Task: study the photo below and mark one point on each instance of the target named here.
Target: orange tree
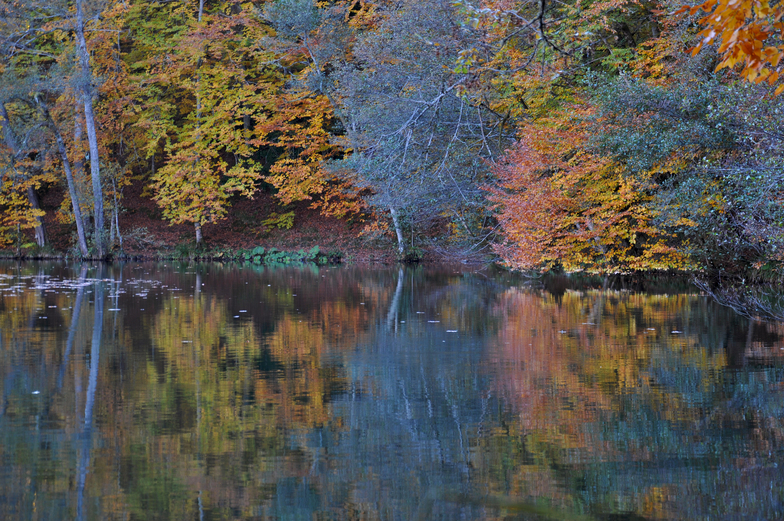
(562, 203)
(669, 153)
(711, 142)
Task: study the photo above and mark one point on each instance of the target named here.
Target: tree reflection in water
(347, 393)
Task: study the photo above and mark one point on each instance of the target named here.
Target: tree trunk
(40, 231)
(398, 230)
(116, 213)
(78, 167)
(198, 233)
(77, 210)
(92, 136)
(196, 224)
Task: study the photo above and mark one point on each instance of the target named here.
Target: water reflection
(223, 392)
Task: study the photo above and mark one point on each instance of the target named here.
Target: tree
(715, 153)
(565, 204)
(303, 124)
(421, 144)
(86, 88)
(22, 173)
(203, 91)
(69, 175)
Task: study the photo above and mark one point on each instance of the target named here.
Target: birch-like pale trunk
(35, 204)
(398, 230)
(77, 209)
(116, 216)
(92, 135)
(78, 166)
(197, 224)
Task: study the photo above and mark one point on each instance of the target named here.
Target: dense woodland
(584, 134)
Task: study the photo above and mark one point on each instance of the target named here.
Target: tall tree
(564, 203)
(204, 86)
(69, 177)
(417, 142)
(86, 88)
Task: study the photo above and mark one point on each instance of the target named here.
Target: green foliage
(715, 154)
(648, 126)
(186, 250)
(257, 255)
(411, 255)
(284, 221)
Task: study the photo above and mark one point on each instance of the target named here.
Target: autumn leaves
(577, 134)
(633, 155)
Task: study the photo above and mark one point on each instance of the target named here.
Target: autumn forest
(603, 135)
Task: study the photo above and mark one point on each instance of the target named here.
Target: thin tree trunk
(198, 232)
(35, 204)
(196, 224)
(78, 167)
(77, 210)
(117, 215)
(111, 230)
(95, 175)
(398, 230)
(89, 123)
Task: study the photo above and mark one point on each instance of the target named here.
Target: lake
(209, 391)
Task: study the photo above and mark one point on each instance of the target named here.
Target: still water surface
(176, 391)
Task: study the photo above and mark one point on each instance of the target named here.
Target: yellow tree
(48, 46)
(207, 134)
(21, 174)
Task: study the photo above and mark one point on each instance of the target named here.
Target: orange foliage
(298, 123)
(744, 27)
(561, 203)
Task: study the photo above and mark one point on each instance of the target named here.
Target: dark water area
(205, 392)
